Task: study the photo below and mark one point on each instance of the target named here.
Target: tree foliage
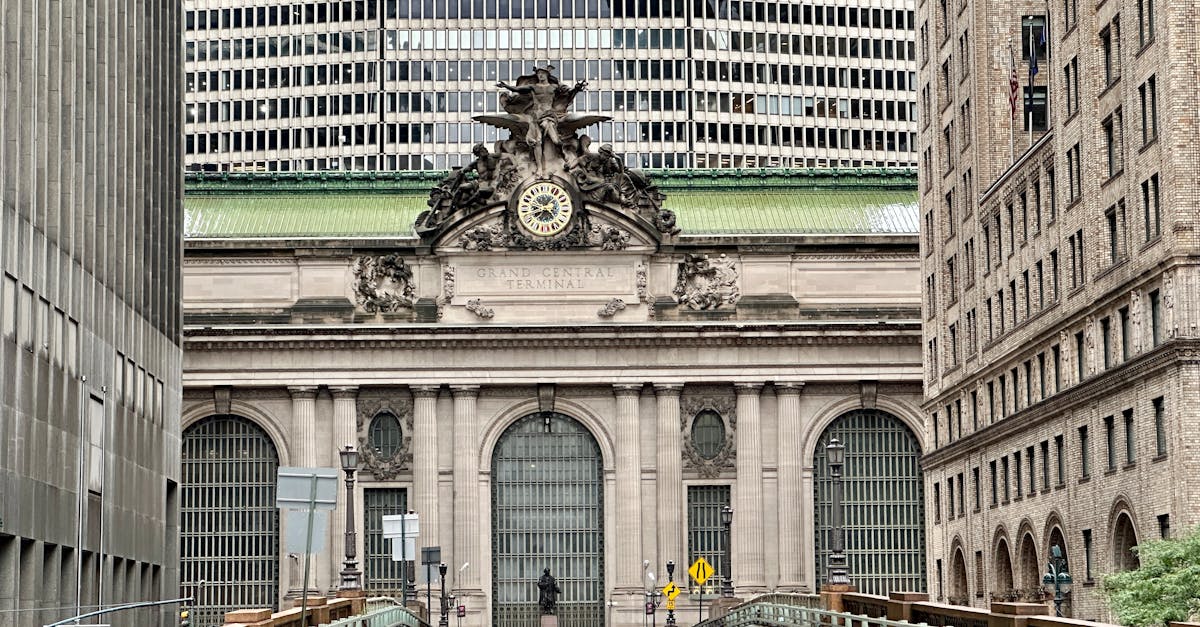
(1165, 588)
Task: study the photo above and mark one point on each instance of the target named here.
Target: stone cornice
(1133, 372)
(817, 333)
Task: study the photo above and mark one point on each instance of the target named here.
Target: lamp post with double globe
(1057, 580)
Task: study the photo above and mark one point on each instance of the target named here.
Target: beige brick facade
(1060, 292)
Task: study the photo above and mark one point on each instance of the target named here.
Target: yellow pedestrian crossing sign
(671, 591)
(700, 570)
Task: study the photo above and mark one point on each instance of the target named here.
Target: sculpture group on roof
(544, 142)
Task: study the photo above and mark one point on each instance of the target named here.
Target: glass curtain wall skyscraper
(393, 84)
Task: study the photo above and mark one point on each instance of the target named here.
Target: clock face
(544, 208)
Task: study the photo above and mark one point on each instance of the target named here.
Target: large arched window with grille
(882, 500)
(229, 525)
(547, 512)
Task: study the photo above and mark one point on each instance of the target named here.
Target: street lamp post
(444, 621)
(1057, 579)
(350, 572)
(727, 575)
(836, 455)
(671, 605)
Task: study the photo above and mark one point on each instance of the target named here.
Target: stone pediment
(596, 227)
(544, 187)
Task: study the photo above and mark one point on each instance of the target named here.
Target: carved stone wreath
(705, 283)
(690, 408)
(383, 283)
(381, 467)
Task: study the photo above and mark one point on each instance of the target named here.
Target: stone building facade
(1060, 291)
(90, 247)
(587, 408)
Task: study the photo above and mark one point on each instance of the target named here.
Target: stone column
(791, 465)
(669, 484)
(748, 563)
(345, 431)
(425, 465)
(304, 434)
(628, 489)
(466, 488)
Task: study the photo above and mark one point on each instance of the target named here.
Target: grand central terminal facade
(556, 363)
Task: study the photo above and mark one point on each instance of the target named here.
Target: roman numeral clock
(544, 208)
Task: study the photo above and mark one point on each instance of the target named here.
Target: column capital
(625, 389)
(425, 391)
(344, 392)
(789, 387)
(303, 392)
(464, 391)
(747, 388)
(668, 389)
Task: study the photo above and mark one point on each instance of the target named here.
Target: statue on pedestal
(548, 593)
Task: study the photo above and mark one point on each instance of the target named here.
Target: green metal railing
(383, 617)
(779, 610)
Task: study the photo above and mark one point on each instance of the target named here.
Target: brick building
(1060, 286)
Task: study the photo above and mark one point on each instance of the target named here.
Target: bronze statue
(548, 592)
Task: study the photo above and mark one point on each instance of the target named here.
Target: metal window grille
(385, 435)
(547, 512)
(380, 574)
(708, 433)
(229, 525)
(883, 500)
(705, 529)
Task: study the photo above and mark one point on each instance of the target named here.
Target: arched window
(883, 503)
(229, 531)
(547, 512)
(385, 435)
(708, 434)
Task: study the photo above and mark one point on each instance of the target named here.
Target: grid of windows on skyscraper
(393, 84)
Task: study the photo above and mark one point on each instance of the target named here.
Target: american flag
(1014, 84)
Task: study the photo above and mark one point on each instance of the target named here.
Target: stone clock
(545, 209)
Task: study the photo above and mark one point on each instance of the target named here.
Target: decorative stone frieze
(383, 283)
(476, 307)
(705, 283)
(381, 467)
(611, 308)
(691, 405)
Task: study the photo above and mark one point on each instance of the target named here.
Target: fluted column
(748, 565)
(304, 434)
(466, 487)
(425, 471)
(669, 484)
(345, 432)
(628, 488)
(791, 553)
(304, 424)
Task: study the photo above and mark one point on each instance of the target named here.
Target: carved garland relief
(691, 406)
(381, 467)
(383, 283)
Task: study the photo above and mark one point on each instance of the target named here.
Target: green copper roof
(705, 202)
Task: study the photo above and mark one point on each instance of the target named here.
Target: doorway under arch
(547, 512)
(958, 579)
(229, 523)
(882, 499)
(1003, 572)
(1030, 583)
(1124, 540)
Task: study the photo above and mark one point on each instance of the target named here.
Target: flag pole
(1012, 112)
(1032, 65)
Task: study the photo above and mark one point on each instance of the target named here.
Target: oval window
(385, 435)
(708, 433)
